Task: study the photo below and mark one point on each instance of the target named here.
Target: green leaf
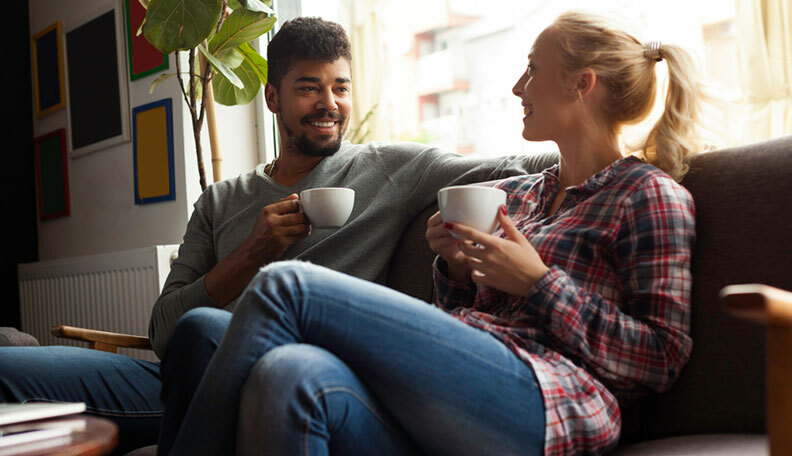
(234, 4)
(256, 61)
(159, 80)
(231, 57)
(226, 94)
(144, 3)
(140, 29)
(222, 68)
(240, 27)
(180, 24)
(256, 5)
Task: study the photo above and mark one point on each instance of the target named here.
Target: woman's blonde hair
(626, 68)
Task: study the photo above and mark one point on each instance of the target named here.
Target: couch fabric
(13, 337)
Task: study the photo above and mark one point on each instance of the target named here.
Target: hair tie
(652, 50)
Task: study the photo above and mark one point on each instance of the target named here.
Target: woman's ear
(271, 95)
(585, 81)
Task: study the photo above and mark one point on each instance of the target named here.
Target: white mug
(327, 207)
(472, 205)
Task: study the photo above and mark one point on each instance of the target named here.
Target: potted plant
(222, 64)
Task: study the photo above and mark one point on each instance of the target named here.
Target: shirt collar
(595, 182)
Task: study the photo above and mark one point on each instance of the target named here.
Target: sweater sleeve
(184, 288)
(644, 342)
(429, 169)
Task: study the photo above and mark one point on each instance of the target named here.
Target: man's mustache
(325, 115)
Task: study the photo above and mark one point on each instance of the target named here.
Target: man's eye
(307, 89)
(343, 89)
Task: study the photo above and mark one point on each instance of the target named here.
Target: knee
(284, 272)
(197, 333)
(294, 371)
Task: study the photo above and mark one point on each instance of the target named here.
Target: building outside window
(441, 71)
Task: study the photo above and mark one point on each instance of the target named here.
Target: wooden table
(98, 436)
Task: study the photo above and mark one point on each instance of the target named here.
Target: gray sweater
(392, 182)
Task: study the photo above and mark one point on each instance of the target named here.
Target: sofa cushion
(699, 445)
(13, 337)
(743, 200)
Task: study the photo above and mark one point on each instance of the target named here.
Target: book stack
(31, 428)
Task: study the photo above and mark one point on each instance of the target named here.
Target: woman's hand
(511, 265)
(442, 243)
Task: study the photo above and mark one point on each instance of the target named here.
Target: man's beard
(309, 148)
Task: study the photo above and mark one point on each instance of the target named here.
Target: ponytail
(672, 140)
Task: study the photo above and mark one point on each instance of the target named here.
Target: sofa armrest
(773, 307)
(101, 340)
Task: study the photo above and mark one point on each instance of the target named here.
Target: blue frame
(168, 104)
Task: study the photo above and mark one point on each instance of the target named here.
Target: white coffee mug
(327, 207)
(472, 205)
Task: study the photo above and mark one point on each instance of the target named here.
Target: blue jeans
(333, 364)
(122, 389)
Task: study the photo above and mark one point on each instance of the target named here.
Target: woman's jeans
(316, 362)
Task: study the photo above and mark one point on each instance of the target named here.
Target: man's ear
(271, 95)
(585, 82)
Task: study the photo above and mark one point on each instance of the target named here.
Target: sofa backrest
(743, 200)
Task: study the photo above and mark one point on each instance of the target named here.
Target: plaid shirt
(609, 321)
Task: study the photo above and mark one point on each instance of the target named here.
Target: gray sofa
(743, 202)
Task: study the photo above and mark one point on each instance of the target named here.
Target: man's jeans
(330, 364)
(117, 387)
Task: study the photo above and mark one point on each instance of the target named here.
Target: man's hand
(277, 226)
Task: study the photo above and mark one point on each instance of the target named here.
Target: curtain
(368, 70)
(764, 52)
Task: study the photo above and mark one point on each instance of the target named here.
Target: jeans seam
(337, 389)
(142, 413)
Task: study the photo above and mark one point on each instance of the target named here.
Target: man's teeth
(323, 124)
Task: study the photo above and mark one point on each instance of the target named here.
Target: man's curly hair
(305, 38)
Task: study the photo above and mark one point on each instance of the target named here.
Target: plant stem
(197, 120)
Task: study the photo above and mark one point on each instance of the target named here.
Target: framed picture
(152, 137)
(52, 175)
(144, 59)
(48, 87)
(98, 90)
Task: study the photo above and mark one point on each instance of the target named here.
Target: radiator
(109, 292)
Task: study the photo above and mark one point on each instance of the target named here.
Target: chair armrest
(101, 340)
(773, 307)
(759, 303)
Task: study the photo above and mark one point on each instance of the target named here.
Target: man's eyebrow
(316, 80)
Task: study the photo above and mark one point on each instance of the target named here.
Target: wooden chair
(101, 340)
(772, 307)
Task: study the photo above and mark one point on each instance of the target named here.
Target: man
(244, 223)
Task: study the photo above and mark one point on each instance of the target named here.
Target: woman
(577, 305)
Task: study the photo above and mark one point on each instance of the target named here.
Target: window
(447, 67)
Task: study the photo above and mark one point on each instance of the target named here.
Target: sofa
(743, 199)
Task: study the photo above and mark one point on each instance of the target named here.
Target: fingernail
(448, 226)
(503, 209)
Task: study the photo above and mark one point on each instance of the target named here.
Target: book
(38, 435)
(17, 413)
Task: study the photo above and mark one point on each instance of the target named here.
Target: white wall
(104, 217)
